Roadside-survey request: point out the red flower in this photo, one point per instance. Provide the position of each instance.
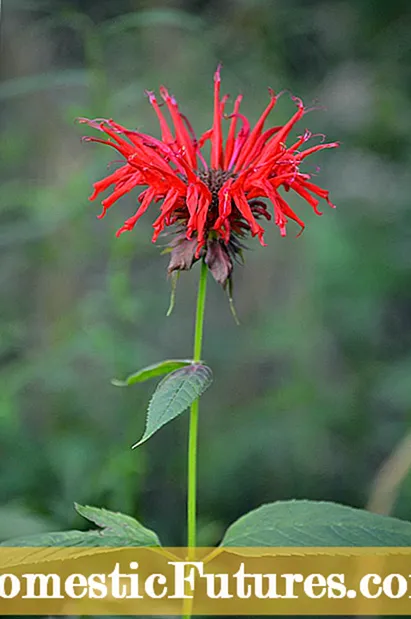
(212, 205)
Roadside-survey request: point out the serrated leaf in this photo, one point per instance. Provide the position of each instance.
(174, 394)
(122, 525)
(311, 523)
(116, 530)
(66, 539)
(54, 546)
(151, 371)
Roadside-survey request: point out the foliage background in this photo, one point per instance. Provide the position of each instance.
(312, 393)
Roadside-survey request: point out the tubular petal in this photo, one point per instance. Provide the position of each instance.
(217, 136)
(113, 178)
(256, 132)
(229, 147)
(166, 134)
(182, 136)
(307, 196)
(323, 193)
(315, 149)
(167, 207)
(131, 222)
(282, 134)
(244, 208)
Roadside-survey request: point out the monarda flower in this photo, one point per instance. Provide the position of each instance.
(211, 205)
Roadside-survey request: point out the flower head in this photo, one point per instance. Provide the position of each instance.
(212, 205)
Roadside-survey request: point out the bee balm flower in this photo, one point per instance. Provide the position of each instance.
(214, 205)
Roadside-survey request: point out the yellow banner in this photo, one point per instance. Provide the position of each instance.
(205, 581)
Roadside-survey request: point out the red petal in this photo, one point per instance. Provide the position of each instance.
(166, 134)
(272, 146)
(166, 208)
(240, 139)
(323, 193)
(314, 149)
(115, 177)
(245, 210)
(217, 137)
(119, 192)
(183, 139)
(307, 196)
(202, 211)
(231, 133)
(280, 206)
(131, 222)
(255, 134)
(290, 213)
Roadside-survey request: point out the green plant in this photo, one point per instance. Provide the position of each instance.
(212, 210)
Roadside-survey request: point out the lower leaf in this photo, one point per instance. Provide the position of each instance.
(115, 530)
(312, 524)
(122, 525)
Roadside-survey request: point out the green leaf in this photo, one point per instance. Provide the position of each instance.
(174, 394)
(63, 539)
(151, 371)
(48, 546)
(311, 523)
(115, 523)
(116, 530)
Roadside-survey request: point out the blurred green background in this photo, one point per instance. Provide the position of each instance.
(312, 392)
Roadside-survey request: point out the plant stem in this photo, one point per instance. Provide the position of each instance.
(193, 435)
(193, 431)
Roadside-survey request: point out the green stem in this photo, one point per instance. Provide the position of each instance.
(193, 435)
(193, 432)
(201, 296)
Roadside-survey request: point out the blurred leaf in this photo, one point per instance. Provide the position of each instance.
(393, 383)
(174, 394)
(158, 17)
(30, 5)
(23, 86)
(119, 524)
(209, 532)
(12, 192)
(16, 520)
(151, 371)
(310, 523)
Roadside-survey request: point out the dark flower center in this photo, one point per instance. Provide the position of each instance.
(215, 179)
